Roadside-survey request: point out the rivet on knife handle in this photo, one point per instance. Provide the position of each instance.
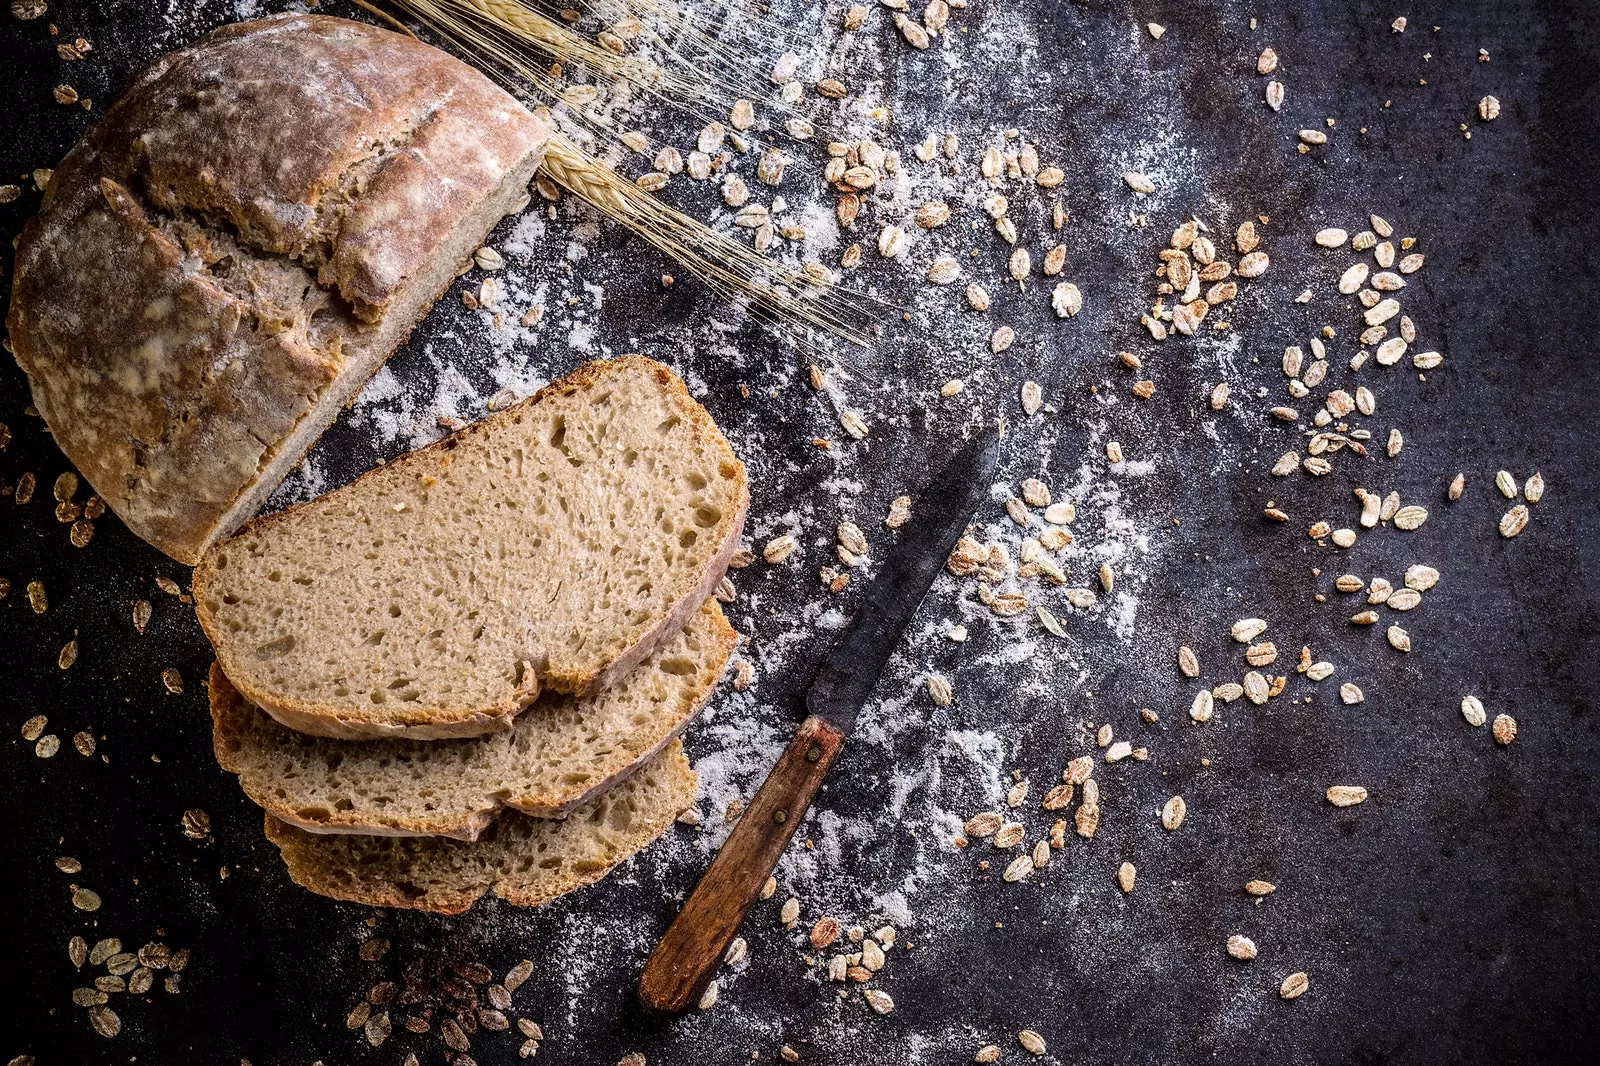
(687, 957)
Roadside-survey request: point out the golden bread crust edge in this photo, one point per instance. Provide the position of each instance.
(227, 705)
(302, 871)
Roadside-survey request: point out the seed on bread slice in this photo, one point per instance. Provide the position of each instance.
(553, 544)
(563, 751)
(525, 861)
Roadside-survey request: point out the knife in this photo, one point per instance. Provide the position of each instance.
(682, 964)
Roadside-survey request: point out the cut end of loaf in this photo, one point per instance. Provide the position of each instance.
(555, 543)
(205, 285)
(526, 861)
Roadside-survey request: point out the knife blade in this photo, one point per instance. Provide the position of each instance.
(684, 961)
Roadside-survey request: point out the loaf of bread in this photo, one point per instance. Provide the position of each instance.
(526, 861)
(554, 543)
(563, 751)
(241, 240)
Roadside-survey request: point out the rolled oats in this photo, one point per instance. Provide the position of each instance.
(1346, 795)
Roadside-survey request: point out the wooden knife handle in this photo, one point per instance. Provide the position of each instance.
(688, 955)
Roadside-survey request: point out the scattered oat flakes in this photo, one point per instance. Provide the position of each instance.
(1410, 517)
(196, 824)
(1066, 300)
(1346, 795)
(1514, 521)
(779, 548)
(105, 1021)
(1247, 629)
(899, 512)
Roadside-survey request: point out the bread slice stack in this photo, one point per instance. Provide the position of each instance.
(467, 670)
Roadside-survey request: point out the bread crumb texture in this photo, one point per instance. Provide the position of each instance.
(553, 543)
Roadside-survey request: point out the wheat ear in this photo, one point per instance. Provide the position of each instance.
(503, 32)
(698, 49)
(729, 267)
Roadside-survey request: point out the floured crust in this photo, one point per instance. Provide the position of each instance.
(317, 715)
(339, 786)
(243, 238)
(512, 859)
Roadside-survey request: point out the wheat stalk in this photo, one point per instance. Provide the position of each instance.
(727, 266)
(505, 33)
(683, 39)
(538, 30)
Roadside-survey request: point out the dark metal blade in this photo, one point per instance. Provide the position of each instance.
(940, 516)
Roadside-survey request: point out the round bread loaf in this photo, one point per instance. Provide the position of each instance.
(239, 243)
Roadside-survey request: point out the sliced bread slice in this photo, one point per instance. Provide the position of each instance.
(555, 543)
(563, 751)
(525, 861)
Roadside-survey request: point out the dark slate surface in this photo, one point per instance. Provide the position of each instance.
(1452, 918)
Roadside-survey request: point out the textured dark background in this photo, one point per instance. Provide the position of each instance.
(1450, 919)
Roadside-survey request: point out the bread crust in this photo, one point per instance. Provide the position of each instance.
(343, 721)
(371, 871)
(231, 717)
(204, 279)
